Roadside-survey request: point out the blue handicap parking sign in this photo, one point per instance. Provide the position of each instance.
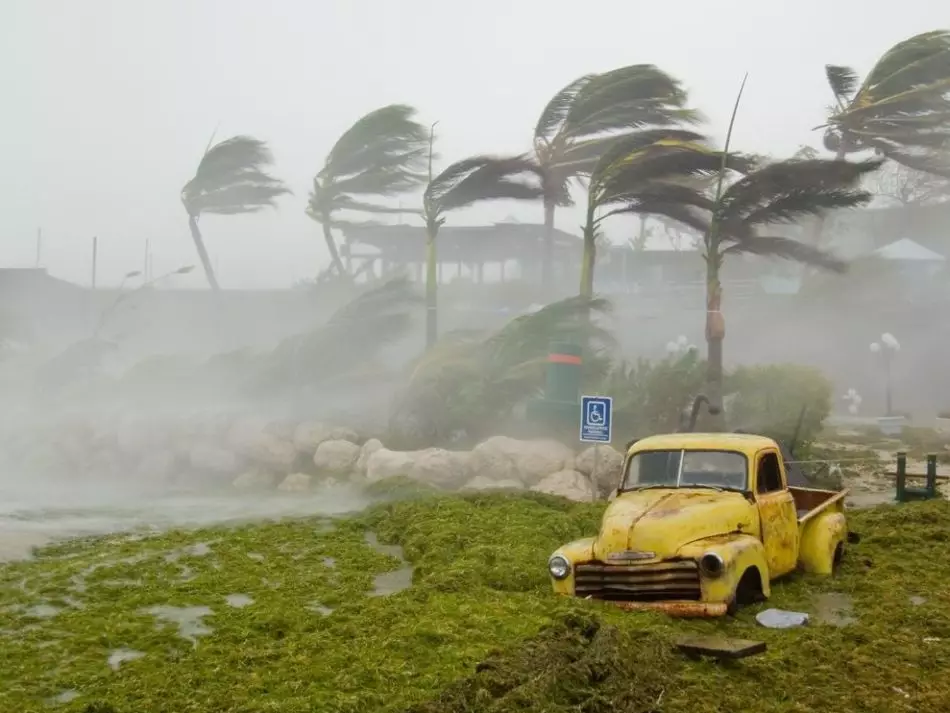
(596, 419)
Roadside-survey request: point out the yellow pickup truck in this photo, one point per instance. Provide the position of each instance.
(700, 525)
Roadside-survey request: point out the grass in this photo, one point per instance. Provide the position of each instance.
(479, 629)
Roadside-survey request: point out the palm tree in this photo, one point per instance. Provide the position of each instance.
(902, 108)
(382, 154)
(745, 214)
(231, 178)
(461, 185)
(581, 120)
(651, 172)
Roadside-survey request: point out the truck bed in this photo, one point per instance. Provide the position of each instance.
(811, 501)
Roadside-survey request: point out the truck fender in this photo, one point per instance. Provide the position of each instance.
(821, 539)
(740, 553)
(573, 552)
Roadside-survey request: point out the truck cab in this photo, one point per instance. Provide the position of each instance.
(701, 524)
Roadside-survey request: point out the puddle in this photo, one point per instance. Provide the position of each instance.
(834, 609)
(188, 620)
(199, 549)
(389, 583)
(64, 697)
(255, 556)
(121, 656)
(918, 601)
(318, 608)
(238, 601)
(329, 562)
(42, 611)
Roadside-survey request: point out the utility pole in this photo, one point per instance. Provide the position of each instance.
(95, 259)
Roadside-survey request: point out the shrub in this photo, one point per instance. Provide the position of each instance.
(769, 400)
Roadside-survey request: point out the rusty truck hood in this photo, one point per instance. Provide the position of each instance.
(655, 524)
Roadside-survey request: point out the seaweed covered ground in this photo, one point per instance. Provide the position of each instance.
(316, 615)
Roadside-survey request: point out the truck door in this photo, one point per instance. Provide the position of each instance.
(777, 515)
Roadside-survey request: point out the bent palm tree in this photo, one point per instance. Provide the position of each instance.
(462, 184)
(902, 108)
(230, 179)
(745, 214)
(581, 120)
(382, 154)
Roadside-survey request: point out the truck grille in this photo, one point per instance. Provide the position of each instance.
(638, 582)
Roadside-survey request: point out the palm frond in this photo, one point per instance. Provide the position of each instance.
(796, 178)
(917, 61)
(558, 108)
(843, 81)
(482, 178)
(786, 249)
(378, 138)
(231, 178)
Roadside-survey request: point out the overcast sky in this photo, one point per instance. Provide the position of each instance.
(108, 104)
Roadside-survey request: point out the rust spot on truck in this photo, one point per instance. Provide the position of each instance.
(685, 610)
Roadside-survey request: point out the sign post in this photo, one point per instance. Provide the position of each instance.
(596, 419)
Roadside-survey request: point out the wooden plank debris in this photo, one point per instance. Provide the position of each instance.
(719, 647)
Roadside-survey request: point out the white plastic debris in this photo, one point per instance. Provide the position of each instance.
(781, 619)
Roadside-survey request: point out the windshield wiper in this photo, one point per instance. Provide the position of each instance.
(657, 486)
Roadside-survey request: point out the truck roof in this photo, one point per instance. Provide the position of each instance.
(746, 443)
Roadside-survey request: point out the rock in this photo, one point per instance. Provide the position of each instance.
(344, 434)
(567, 484)
(504, 458)
(336, 457)
(244, 432)
(255, 480)
(310, 434)
(368, 449)
(295, 483)
(781, 619)
(282, 429)
(384, 463)
(603, 465)
(442, 468)
(214, 459)
(483, 482)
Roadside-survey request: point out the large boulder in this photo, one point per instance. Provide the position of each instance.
(384, 463)
(295, 483)
(272, 451)
(310, 434)
(567, 484)
(336, 457)
(442, 468)
(368, 449)
(504, 458)
(603, 465)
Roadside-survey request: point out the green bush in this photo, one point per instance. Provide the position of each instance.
(769, 400)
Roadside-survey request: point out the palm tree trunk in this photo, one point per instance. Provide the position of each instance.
(331, 246)
(432, 287)
(715, 334)
(547, 258)
(202, 252)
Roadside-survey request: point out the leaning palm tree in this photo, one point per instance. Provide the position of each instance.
(659, 172)
(231, 178)
(902, 108)
(461, 185)
(744, 218)
(382, 154)
(581, 120)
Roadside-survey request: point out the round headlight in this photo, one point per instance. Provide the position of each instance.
(559, 567)
(711, 564)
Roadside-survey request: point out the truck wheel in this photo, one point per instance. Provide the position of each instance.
(748, 591)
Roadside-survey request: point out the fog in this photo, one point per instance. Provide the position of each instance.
(142, 405)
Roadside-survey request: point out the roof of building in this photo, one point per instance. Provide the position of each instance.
(906, 249)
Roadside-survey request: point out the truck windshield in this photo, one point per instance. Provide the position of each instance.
(684, 469)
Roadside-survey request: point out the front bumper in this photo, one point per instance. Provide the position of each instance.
(681, 609)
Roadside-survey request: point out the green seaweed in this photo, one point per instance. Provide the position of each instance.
(479, 629)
